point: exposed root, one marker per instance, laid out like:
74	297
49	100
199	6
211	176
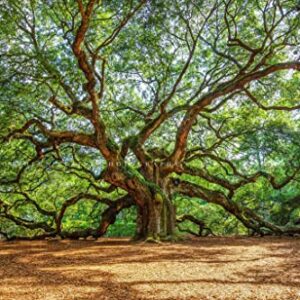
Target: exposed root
152	240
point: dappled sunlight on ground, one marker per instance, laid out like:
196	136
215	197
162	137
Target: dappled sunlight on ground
208	268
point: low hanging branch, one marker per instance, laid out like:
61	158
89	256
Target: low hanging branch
107	218
247	216
201	224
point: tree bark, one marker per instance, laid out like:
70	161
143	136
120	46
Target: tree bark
156	219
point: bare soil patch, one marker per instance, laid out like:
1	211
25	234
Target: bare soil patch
207	268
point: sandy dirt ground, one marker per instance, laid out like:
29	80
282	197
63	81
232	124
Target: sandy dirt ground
207	268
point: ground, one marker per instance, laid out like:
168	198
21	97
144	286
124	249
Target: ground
207	268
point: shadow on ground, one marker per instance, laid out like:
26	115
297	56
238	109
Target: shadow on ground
207	268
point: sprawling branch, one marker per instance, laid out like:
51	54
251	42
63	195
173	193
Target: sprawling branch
222	90
74	200
89	73
201	224
5	213
58	136
232	187
247	216
108	217
272	107
122	24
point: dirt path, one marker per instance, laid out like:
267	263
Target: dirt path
209	268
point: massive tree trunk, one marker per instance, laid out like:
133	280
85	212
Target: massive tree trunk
156	219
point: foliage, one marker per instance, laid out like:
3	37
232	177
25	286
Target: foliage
107	106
